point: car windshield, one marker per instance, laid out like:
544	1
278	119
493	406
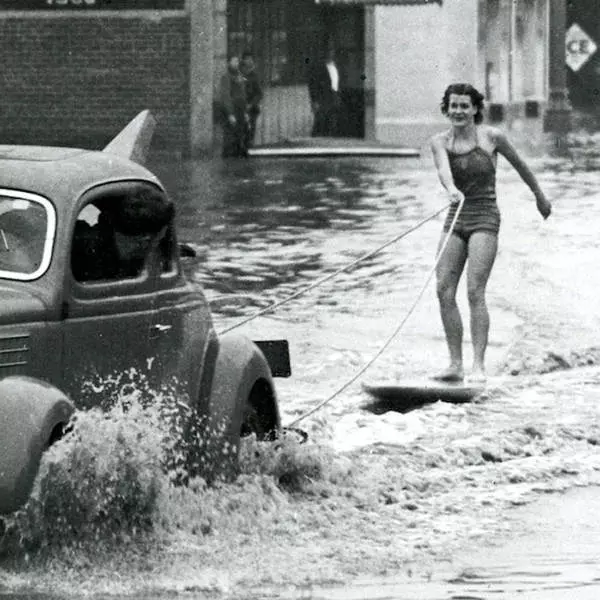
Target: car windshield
26	235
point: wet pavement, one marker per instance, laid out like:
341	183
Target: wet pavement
440	502
552	553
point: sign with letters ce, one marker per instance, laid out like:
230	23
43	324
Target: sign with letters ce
579	46
83	5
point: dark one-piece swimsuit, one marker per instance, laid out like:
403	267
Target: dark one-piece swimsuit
474	174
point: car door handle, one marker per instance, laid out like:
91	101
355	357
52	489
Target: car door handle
160	328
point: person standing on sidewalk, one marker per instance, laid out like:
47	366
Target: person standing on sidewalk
465	157
254	94
233	110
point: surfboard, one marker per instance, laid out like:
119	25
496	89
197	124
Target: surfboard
425	390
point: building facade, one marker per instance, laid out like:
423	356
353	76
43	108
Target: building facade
76	71
287	38
399	55
419	50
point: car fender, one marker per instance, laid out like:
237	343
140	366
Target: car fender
33	415
241	372
240	365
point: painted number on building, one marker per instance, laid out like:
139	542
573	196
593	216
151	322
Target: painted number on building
92	4
579	46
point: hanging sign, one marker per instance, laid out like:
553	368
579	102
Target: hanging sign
579	46
83	5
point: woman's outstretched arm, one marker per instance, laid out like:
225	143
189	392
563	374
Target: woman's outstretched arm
507	150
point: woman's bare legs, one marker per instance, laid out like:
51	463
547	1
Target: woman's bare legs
448	272
482	250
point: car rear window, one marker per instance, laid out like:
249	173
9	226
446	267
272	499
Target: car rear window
27	226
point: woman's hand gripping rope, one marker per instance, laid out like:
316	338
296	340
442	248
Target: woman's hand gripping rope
455	196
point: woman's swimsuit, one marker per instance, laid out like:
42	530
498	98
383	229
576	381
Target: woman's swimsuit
474	174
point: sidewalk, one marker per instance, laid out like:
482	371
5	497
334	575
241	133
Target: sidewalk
329	146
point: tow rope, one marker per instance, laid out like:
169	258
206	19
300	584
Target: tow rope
399	326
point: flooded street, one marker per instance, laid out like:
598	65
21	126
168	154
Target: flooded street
445	501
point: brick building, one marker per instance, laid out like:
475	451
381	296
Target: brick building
75	72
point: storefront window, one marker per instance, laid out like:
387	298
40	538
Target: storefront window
284	36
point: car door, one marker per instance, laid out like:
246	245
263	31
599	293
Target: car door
181	326
109	308
106	343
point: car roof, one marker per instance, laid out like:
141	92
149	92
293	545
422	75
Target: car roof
63	174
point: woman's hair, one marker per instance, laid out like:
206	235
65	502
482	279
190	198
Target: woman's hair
464	89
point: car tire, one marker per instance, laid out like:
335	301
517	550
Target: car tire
257	417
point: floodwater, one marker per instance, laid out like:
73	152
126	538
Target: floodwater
489	499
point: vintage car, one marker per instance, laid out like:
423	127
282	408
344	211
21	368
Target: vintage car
93	296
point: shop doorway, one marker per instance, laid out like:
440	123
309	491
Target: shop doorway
345	28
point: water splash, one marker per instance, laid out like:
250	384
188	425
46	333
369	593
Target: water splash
124	476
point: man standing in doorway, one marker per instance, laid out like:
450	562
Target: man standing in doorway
233	109
254	94
324	92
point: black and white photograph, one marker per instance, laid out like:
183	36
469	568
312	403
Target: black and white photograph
299	300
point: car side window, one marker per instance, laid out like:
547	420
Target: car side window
115	234
23	231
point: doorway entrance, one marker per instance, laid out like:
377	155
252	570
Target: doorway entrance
345	28
287	37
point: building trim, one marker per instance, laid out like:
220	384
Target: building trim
150	15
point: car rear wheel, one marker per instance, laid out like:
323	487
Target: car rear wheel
258	417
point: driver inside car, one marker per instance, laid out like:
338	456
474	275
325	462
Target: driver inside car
118	245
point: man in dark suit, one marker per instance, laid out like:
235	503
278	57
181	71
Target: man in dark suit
254	94
233	110
324	92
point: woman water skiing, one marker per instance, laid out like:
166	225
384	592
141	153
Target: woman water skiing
465	157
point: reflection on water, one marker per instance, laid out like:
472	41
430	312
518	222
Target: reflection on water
269	228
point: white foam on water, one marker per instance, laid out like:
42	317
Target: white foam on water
352	432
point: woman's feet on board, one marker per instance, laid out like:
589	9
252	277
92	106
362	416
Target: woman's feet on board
453	374
477	376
